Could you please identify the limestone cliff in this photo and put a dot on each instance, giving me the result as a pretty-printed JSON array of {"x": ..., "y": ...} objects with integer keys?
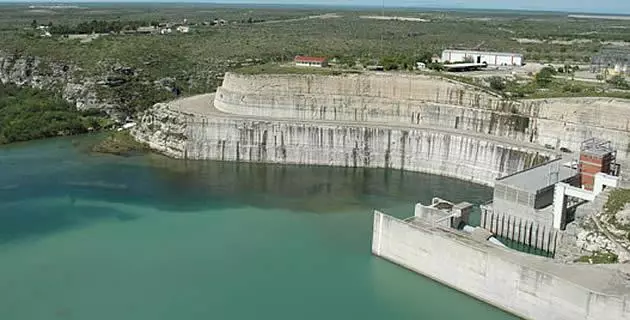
[
  {"x": 192, "y": 128},
  {"x": 430, "y": 101},
  {"x": 163, "y": 129},
  {"x": 56, "y": 76}
]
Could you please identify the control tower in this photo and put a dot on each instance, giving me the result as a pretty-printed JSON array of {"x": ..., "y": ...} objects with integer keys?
[{"x": 596, "y": 155}]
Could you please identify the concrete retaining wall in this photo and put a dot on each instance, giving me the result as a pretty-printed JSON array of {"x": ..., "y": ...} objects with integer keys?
[{"x": 509, "y": 280}]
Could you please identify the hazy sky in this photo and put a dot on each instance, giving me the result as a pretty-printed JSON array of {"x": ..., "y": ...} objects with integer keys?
[{"x": 602, "y": 6}]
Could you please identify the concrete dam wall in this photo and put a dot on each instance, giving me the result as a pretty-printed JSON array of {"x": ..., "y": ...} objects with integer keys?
[
  {"x": 429, "y": 101},
  {"x": 221, "y": 137},
  {"x": 528, "y": 286}
]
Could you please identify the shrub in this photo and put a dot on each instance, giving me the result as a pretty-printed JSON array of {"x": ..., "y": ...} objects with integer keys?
[
  {"x": 599, "y": 258},
  {"x": 619, "y": 82},
  {"x": 28, "y": 114},
  {"x": 545, "y": 76},
  {"x": 497, "y": 83}
]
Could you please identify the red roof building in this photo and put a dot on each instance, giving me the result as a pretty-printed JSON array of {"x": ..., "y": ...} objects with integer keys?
[{"x": 307, "y": 61}]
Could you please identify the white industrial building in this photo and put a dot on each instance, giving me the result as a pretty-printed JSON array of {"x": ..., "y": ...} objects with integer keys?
[{"x": 490, "y": 58}]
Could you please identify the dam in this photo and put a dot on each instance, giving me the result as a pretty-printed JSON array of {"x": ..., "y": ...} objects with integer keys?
[{"x": 424, "y": 124}]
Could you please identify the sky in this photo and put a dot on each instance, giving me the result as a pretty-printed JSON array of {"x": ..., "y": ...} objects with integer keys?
[{"x": 595, "y": 6}]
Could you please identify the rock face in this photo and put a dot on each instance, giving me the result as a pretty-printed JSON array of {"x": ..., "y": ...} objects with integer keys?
[
  {"x": 164, "y": 130},
  {"x": 379, "y": 98},
  {"x": 34, "y": 72},
  {"x": 410, "y": 122},
  {"x": 415, "y": 99},
  {"x": 192, "y": 128}
]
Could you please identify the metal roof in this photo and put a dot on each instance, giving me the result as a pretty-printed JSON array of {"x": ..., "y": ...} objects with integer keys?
[
  {"x": 540, "y": 177},
  {"x": 309, "y": 59},
  {"x": 482, "y": 52}
]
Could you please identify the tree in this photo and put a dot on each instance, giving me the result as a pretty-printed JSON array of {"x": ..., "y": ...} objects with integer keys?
[
  {"x": 348, "y": 61},
  {"x": 426, "y": 57},
  {"x": 435, "y": 66},
  {"x": 34, "y": 24},
  {"x": 619, "y": 82},
  {"x": 497, "y": 83},
  {"x": 545, "y": 76},
  {"x": 389, "y": 63}
]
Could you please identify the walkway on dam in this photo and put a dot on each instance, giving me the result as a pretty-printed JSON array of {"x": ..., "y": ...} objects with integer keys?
[
  {"x": 203, "y": 105},
  {"x": 613, "y": 279}
]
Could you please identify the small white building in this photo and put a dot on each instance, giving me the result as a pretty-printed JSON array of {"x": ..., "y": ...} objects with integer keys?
[
  {"x": 490, "y": 58},
  {"x": 183, "y": 29},
  {"x": 304, "y": 61},
  {"x": 421, "y": 65}
]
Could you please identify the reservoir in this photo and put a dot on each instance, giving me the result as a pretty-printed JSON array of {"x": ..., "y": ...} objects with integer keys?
[{"x": 99, "y": 237}]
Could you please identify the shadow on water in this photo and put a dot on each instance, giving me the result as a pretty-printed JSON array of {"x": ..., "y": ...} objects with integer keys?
[
  {"x": 315, "y": 189},
  {"x": 23, "y": 221},
  {"x": 59, "y": 170},
  {"x": 521, "y": 247}
]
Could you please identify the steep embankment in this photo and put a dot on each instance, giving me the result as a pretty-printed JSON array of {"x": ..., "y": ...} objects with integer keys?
[
  {"x": 414, "y": 99},
  {"x": 383, "y": 98},
  {"x": 409, "y": 122},
  {"x": 58, "y": 77},
  {"x": 192, "y": 128}
]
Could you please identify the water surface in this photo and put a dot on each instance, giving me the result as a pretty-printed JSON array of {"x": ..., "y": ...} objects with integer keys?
[{"x": 103, "y": 237}]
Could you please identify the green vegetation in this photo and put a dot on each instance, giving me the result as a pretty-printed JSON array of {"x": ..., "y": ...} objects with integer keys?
[
  {"x": 545, "y": 77},
  {"x": 135, "y": 94},
  {"x": 619, "y": 82},
  {"x": 120, "y": 143},
  {"x": 280, "y": 34},
  {"x": 546, "y": 85},
  {"x": 252, "y": 40},
  {"x": 497, "y": 83},
  {"x": 279, "y": 69},
  {"x": 94, "y": 26},
  {"x": 617, "y": 200},
  {"x": 28, "y": 114},
  {"x": 599, "y": 258}
]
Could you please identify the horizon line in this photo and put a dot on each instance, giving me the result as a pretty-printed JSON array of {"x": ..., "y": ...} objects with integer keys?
[{"x": 295, "y": 5}]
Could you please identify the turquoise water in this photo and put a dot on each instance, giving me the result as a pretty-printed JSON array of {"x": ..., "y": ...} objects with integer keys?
[{"x": 104, "y": 237}]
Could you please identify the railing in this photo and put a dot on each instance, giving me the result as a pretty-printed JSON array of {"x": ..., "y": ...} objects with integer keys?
[{"x": 524, "y": 235}]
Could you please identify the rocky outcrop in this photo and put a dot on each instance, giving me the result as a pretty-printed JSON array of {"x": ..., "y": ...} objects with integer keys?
[
  {"x": 164, "y": 130},
  {"x": 56, "y": 76}
]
